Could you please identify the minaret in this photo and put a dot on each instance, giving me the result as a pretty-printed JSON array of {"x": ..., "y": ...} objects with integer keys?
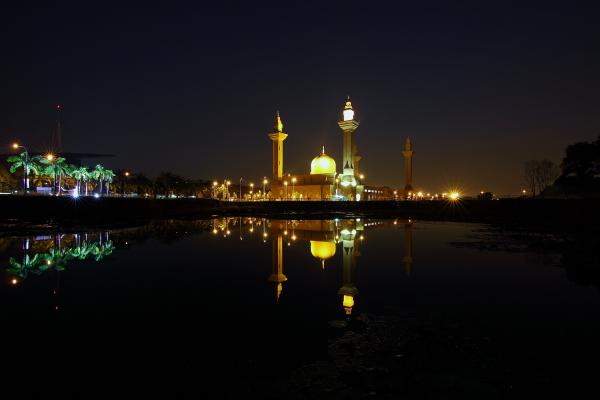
[
  {"x": 277, "y": 275},
  {"x": 348, "y": 125},
  {"x": 277, "y": 136},
  {"x": 408, "y": 154}
]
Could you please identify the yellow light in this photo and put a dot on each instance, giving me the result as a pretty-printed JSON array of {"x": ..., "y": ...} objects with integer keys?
[
  {"x": 126, "y": 173},
  {"x": 420, "y": 194},
  {"x": 454, "y": 196},
  {"x": 49, "y": 262},
  {"x": 265, "y": 181},
  {"x": 348, "y": 111},
  {"x": 50, "y": 157},
  {"x": 294, "y": 180},
  {"x": 265, "y": 234},
  {"x": 362, "y": 237},
  {"x": 215, "y": 183},
  {"x": 285, "y": 183},
  {"x": 322, "y": 250},
  {"x": 293, "y": 237},
  {"x": 215, "y": 231},
  {"x": 285, "y": 232},
  {"x": 14, "y": 281},
  {"x": 361, "y": 176},
  {"x": 252, "y": 185},
  {"x": 15, "y": 145}
]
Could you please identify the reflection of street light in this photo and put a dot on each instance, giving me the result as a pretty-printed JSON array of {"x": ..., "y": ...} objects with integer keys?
[
  {"x": 25, "y": 166},
  {"x": 361, "y": 176}
]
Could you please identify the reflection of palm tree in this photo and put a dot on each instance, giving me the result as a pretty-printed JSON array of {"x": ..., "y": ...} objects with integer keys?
[{"x": 28, "y": 265}]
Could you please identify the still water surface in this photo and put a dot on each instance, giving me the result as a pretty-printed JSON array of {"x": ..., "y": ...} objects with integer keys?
[{"x": 174, "y": 305}]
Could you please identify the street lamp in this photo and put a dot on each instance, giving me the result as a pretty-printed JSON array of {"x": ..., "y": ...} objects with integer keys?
[
  {"x": 241, "y": 179},
  {"x": 227, "y": 183},
  {"x": 214, "y": 191},
  {"x": 125, "y": 176},
  {"x": 251, "y": 189},
  {"x": 285, "y": 183},
  {"x": 265, "y": 181},
  {"x": 50, "y": 157},
  {"x": 293, "y": 183},
  {"x": 25, "y": 166}
]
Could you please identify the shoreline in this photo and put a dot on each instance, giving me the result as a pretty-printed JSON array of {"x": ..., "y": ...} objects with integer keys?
[{"x": 550, "y": 214}]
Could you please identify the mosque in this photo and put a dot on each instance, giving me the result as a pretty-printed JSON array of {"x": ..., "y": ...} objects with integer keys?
[{"x": 323, "y": 182}]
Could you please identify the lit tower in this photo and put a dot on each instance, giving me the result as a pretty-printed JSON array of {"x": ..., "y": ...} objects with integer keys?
[
  {"x": 277, "y": 136},
  {"x": 408, "y": 154},
  {"x": 348, "y": 126}
]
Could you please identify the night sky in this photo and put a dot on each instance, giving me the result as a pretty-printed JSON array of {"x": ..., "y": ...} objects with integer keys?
[{"x": 193, "y": 88}]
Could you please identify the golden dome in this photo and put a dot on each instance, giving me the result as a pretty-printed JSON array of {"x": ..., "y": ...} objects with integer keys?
[
  {"x": 322, "y": 250},
  {"x": 322, "y": 164}
]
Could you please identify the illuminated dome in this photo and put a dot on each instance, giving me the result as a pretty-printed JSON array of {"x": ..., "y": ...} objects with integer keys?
[
  {"x": 322, "y": 164},
  {"x": 322, "y": 250}
]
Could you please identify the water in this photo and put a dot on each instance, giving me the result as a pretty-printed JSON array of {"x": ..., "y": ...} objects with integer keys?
[{"x": 181, "y": 307}]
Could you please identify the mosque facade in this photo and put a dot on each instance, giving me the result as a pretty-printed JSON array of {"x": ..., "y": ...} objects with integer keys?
[{"x": 324, "y": 182}]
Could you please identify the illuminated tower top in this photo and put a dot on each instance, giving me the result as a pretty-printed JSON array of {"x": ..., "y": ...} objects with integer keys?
[
  {"x": 348, "y": 111},
  {"x": 278, "y": 126}
]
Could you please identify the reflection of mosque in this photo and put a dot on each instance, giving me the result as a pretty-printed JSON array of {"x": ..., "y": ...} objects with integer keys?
[{"x": 324, "y": 236}]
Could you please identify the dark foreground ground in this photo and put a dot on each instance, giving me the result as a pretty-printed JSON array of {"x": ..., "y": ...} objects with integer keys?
[{"x": 561, "y": 214}]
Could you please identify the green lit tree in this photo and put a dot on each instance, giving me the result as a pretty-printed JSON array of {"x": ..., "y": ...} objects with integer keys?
[
  {"x": 109, "y": 176},
  {"x": 80, "y": 174},
  {"x": 29, "y": 165},
  {"x": 98, "y": 174}
]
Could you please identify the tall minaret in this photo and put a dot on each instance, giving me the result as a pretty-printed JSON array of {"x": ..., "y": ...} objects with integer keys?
[
  {"x": 277, "y": 136},
  {"x": 408, "y": 154},
  {"x": 348, "y": 126}
]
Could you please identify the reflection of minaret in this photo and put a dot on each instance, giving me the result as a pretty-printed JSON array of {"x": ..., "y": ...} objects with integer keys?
[
  {"x": 348, "y": 290},
  {"x": 408, "y": 248},
  {"x": 408, "y": 154},
  {"x": 277, "y": 275},
  {"x": 277, "y": 136},
  {"x": 56, "y": 145}
]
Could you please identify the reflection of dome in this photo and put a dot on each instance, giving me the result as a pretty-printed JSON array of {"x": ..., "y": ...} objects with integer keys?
[
  {"x": 348, "y": 303},
  {"x": 322, "y": 164},
  {"x": 322, "y": 250}
]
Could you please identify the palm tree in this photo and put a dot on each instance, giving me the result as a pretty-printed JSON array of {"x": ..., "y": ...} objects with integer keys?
[
  {"x": 80, "y": 174},
  {"x": 28, "y": 164},
  {"x": 109, "y": 175},
  {"x": 57, "y": 168},
  {"x": 98, "y": 173}
]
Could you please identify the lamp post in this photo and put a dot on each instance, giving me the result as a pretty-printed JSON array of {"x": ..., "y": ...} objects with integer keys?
[
  {"x": 214, "y": 189},
  {"x": 265, "y": 181},
  {"x": 50, "y": 157},
  {"x": 125, "y": 176},
  {"x": 25, "y": 166},
  {"x": 251, "y": 189},
  {"x": 227, "y": 183},
  {"x": 285, "y": 183},
  {"x": 241, "y": 179},
  {"x": 293, "y": 183}
]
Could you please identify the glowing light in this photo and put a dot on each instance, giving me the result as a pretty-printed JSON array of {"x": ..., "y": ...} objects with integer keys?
[
  {"x": 96, "y": 195},
  {"x": 126, "y": 173},
  {"x": 322, "y": 250},
  {"x": 15, "y": 145},
  {"x": 293, "y": 237},
  {"x": 322, "y": 164},
  {"x": 75, "y": 194},
  {"x": 361, "y": 176},
  {"x": 215, "y": 231},
  {"x": 14, "y": 281},
  {"x": 50, "y": 157},
  {"x": 285, "y": 232},
  {"x": 265, "y": 234},
  {"x": 348, "y": 111},
  {"x": 454, "y": 196}
]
